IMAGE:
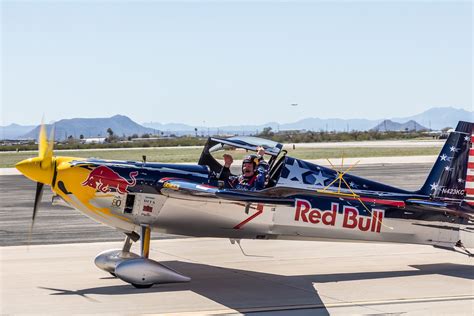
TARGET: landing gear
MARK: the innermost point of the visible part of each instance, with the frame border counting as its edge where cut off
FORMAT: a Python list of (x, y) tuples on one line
[(145, 241), (109, 259), (144, 253), (142, 286), (138, 270), (143, 272)]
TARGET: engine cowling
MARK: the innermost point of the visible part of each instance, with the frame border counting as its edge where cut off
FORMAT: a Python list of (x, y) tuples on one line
[(145, 272), (109, 259)]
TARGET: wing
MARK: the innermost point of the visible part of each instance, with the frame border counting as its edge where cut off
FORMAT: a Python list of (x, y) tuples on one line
[(275, 195)]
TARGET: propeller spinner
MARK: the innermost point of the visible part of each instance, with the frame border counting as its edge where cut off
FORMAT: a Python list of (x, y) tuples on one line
[(41, 168)]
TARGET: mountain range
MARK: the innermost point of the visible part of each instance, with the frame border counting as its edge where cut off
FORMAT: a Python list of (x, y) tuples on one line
[(91, 127), (14, 131), (434, 118), (388, 125)]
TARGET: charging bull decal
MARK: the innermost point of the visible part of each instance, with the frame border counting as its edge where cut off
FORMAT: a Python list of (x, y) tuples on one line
[(105, 180)]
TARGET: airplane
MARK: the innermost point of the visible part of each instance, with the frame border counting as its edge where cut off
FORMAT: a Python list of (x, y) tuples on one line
[(301, 201)]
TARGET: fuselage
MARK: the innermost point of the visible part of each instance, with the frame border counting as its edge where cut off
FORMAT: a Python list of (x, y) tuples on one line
[(185, 200)]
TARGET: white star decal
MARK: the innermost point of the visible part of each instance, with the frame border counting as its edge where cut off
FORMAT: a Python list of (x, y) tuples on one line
[(460, 180), (353, 185), (443, 157), (319, 178), (364, 186), (295, 171), (466, 138), (434, 186), (453, 149)]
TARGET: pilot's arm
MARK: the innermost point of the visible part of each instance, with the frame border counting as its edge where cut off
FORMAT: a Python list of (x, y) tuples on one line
[(262, 173), (225, 171)]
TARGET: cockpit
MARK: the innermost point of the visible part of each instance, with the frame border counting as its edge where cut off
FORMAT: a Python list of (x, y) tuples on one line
[(215, 147)]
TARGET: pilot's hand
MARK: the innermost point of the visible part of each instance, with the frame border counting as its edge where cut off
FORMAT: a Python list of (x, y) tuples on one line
[(260, 151), (228, 160)]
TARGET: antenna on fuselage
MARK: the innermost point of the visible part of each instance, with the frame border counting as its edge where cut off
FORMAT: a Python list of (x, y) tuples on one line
[(237, 241)]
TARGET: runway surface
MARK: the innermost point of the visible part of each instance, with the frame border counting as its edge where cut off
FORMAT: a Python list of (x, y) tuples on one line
[(276, 278), (56, 224)]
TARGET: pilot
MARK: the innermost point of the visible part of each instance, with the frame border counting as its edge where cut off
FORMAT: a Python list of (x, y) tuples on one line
[(254, 172)]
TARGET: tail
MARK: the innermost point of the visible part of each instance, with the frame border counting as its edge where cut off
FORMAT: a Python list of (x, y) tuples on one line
[(452, 176)]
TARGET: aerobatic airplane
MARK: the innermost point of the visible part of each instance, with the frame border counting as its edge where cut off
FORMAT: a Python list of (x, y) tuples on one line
[(301, 201)]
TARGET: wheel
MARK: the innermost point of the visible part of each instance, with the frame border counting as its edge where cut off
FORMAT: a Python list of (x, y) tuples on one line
[(113, 274), (142, 286)]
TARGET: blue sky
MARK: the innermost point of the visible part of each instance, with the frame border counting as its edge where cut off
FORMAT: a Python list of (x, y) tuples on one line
[(233, 62)]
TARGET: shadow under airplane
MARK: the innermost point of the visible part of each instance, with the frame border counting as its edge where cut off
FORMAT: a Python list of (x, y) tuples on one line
[(246, 290)]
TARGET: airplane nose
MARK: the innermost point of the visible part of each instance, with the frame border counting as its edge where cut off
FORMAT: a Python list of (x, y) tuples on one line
[(32, 169)]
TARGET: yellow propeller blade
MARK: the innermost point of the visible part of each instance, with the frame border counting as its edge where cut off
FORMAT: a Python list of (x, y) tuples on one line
[(45, 147), (42, 142), (40, 169)]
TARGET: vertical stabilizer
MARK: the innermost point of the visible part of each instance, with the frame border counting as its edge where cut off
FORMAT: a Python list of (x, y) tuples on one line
[(449, 178)]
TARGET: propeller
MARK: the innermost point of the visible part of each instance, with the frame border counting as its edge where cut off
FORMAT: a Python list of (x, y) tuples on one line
[(40, 169), (38, 196), (45, 147)]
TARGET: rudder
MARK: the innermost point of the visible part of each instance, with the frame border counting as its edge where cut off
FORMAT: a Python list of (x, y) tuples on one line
[(449, 179)]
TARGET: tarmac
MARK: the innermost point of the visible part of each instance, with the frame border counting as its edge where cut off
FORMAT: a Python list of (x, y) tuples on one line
[(55, 274), (275, 278)]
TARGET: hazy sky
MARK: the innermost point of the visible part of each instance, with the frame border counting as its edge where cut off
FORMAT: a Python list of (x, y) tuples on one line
[(233, 63)]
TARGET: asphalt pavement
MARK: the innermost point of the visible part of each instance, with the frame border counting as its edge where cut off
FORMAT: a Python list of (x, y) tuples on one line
[(275, 278)]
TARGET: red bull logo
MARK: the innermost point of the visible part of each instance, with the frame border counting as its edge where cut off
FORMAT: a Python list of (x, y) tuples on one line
[(105, 180), (350, 217)]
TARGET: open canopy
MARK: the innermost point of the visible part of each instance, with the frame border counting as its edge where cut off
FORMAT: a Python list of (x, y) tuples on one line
[(246, 142)]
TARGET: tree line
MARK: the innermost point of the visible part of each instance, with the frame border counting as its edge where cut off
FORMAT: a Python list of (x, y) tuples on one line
[(147, 140)]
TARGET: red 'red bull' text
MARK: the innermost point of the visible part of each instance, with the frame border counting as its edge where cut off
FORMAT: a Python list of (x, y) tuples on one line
[(351, 219)]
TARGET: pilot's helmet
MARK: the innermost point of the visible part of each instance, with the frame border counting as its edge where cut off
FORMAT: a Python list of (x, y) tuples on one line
[(251, 158)]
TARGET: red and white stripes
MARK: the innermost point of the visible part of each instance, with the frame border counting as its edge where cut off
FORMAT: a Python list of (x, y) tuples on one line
[(470, 175)]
